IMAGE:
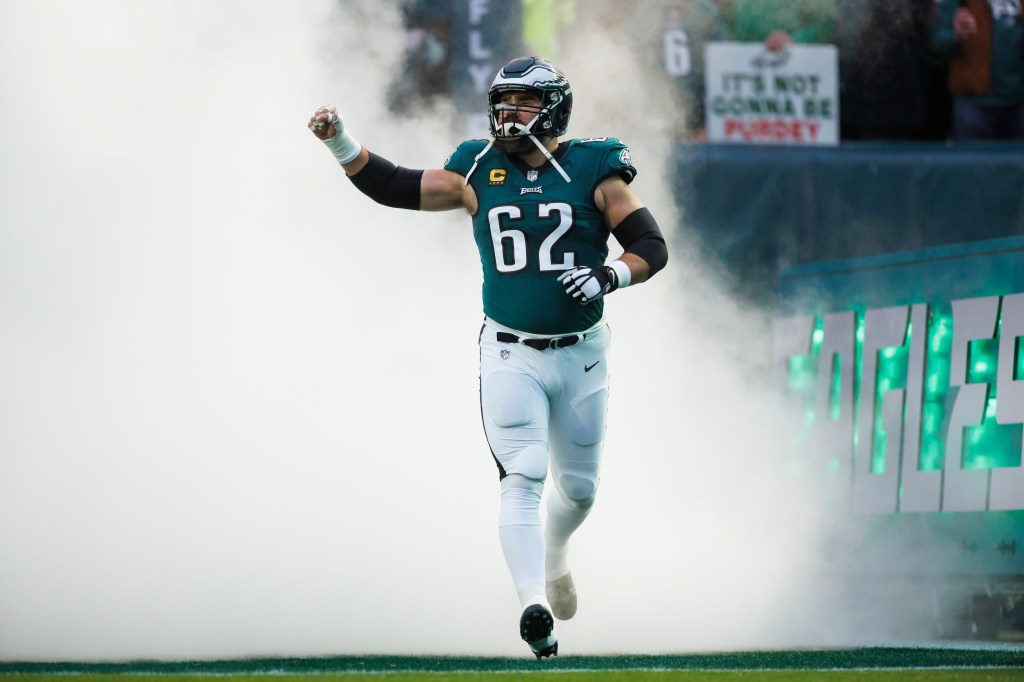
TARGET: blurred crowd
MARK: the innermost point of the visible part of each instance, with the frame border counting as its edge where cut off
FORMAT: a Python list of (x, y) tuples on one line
[(909, 70)]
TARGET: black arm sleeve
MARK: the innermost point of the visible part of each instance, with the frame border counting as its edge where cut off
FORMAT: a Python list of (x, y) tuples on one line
[(388, 184), (638, 234)]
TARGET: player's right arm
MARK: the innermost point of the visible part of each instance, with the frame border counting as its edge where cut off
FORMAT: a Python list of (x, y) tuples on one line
[(433, 189)]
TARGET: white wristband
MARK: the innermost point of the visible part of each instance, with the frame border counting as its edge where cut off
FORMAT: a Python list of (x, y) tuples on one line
[(622, 270), (344, 147)]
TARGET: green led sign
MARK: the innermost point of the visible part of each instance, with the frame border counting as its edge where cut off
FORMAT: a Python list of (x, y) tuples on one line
[(913, 408)]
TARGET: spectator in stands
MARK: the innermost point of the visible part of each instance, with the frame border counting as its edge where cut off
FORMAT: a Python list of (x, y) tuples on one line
[(891, 85), (423, 78), (781, 22), (672, 34), (544, 23), (985, 43)]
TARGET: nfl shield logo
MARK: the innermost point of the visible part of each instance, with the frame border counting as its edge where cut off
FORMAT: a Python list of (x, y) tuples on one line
[(504, 354), (531, 175)]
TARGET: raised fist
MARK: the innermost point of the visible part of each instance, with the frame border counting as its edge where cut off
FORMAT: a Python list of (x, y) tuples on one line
[(326, 123)]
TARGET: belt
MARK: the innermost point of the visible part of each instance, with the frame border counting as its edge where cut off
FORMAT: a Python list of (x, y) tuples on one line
[(542, 344)]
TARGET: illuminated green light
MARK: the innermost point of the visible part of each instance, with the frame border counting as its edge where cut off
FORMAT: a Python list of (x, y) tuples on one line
[(990, 444), (835, 406), (984, 446), (936, 386), (878, 455), (941, 337), (983, 355), (892, 369), (891, 375), (801, 374), (932, 441), (931, 454), (936, 382), (803, 377), (983, 462), (931, 418)]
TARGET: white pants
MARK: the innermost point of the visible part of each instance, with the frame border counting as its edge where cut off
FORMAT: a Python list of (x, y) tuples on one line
[(543, 411)]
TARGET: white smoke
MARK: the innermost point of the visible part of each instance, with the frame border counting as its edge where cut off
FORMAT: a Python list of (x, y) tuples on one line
[(239, 400)]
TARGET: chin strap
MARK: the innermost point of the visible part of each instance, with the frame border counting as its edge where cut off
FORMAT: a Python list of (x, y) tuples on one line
[(477, 158), (550, 158), (544, 151)]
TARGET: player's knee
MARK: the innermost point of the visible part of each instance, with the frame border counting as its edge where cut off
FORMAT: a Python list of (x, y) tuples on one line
[(516, 485), (520, 501), (579, 491), (588, 423)]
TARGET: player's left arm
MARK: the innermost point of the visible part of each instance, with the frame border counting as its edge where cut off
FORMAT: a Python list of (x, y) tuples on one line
[(644, 249), (633, 226)]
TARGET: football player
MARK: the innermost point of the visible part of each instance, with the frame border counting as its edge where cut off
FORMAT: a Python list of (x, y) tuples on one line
[(542, 211)]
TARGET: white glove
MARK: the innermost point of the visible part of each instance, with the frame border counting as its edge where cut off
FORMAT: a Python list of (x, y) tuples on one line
[(589, 284), (329, 128)]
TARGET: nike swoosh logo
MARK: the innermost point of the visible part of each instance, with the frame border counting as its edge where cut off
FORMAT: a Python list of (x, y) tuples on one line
[(587, 369)]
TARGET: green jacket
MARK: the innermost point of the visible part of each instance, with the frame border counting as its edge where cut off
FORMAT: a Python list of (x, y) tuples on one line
[(806, 21)]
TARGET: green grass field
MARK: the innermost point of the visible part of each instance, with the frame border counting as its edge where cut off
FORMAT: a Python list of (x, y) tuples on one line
[(933, 675), (872, 664)]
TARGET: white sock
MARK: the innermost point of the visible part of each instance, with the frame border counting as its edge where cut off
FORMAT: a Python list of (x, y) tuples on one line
[(522, 536), (562, 521), (523, 547)]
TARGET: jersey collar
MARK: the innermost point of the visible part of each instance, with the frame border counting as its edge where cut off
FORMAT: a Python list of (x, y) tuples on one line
[(524, 167)]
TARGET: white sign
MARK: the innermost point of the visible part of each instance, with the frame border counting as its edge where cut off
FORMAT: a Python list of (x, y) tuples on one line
[(756, 96)]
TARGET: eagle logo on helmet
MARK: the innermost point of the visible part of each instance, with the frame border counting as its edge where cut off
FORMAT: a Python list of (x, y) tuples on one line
[(532, 74)]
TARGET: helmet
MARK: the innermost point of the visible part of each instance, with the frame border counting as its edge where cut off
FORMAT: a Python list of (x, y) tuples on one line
[(531, 74)]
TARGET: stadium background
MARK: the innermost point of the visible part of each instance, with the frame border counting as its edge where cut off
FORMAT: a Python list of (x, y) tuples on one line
[(208, 452)]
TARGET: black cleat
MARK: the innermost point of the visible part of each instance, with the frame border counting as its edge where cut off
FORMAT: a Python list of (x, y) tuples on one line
[(537, 628)]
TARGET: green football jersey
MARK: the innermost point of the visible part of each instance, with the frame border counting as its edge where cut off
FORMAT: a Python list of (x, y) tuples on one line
[(532, 225)]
